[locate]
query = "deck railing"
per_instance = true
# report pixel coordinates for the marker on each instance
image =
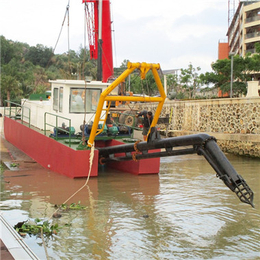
(18, 112)
(56, 125)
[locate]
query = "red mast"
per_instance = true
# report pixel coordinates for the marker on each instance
(100, 47)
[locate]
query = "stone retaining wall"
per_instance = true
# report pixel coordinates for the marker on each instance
(234, 122)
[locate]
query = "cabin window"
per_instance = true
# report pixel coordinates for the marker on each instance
(79, 97)
(92, 98)
(61, 99)
(55, 99)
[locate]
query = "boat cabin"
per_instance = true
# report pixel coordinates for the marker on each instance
(66, 101)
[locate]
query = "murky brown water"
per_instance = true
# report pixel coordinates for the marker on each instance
(184, 213)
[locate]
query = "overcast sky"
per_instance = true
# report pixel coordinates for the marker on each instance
(172, 33)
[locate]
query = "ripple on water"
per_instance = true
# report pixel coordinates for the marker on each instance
(189, 214)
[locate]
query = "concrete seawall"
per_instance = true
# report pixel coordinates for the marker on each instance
(234, 122)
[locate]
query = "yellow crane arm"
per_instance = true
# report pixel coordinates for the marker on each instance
(144, 68)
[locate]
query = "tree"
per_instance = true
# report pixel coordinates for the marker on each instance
(7, 50)
(252, 62)
(242, 71)
(172, 83)
(190, 80)
(9, 87)
(39, 55)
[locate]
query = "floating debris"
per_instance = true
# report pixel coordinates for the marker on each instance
(72, 206)
(36, 228)
(57, 215)
(14, 165)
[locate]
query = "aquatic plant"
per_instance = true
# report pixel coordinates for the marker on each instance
(36, 228)
(14, 165)
(2, 168)
(72, 206)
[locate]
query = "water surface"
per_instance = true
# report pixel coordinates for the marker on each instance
(185, 212)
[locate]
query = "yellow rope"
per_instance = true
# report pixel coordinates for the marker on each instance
(91, 157)
(44, 245)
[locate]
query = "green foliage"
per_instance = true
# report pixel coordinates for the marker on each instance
(27, 69)
(257, 47)
(36, 228)
(190, 80)
(244, 69)
(2, 168)
(185, 84)
(146, 86)
(72, 206)
(14, 165)
(180, 95)
(173, 83)
(39, 55)
(7, 50)
(237, 88)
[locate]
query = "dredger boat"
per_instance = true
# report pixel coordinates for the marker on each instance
(50, 131)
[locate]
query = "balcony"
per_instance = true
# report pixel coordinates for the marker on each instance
(253, 19)
(252, 35)
(251, 51)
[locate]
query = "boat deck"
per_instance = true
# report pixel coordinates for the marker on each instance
(75, 140)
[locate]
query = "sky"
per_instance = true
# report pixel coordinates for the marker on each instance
(169, 32)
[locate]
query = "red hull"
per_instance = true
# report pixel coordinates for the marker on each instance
(64, 160)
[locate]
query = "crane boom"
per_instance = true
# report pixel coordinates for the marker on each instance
(100, 48)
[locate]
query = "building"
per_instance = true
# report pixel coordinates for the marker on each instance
(223, 50)
(243, 31)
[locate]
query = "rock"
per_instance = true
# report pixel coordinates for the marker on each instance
(56, 215)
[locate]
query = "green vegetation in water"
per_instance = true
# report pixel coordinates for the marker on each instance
(37, 228)
(72, 206)
(2, 168)
(14, 165)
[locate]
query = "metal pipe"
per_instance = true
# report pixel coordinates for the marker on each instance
(197, 139)
(231, 74)
(203, 144)
(129, 156)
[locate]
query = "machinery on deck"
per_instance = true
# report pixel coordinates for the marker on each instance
(106, 97)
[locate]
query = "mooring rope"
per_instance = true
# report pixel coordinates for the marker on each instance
(44, 244)
(91, 157)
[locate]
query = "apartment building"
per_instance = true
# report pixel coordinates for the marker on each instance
(243, 31)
